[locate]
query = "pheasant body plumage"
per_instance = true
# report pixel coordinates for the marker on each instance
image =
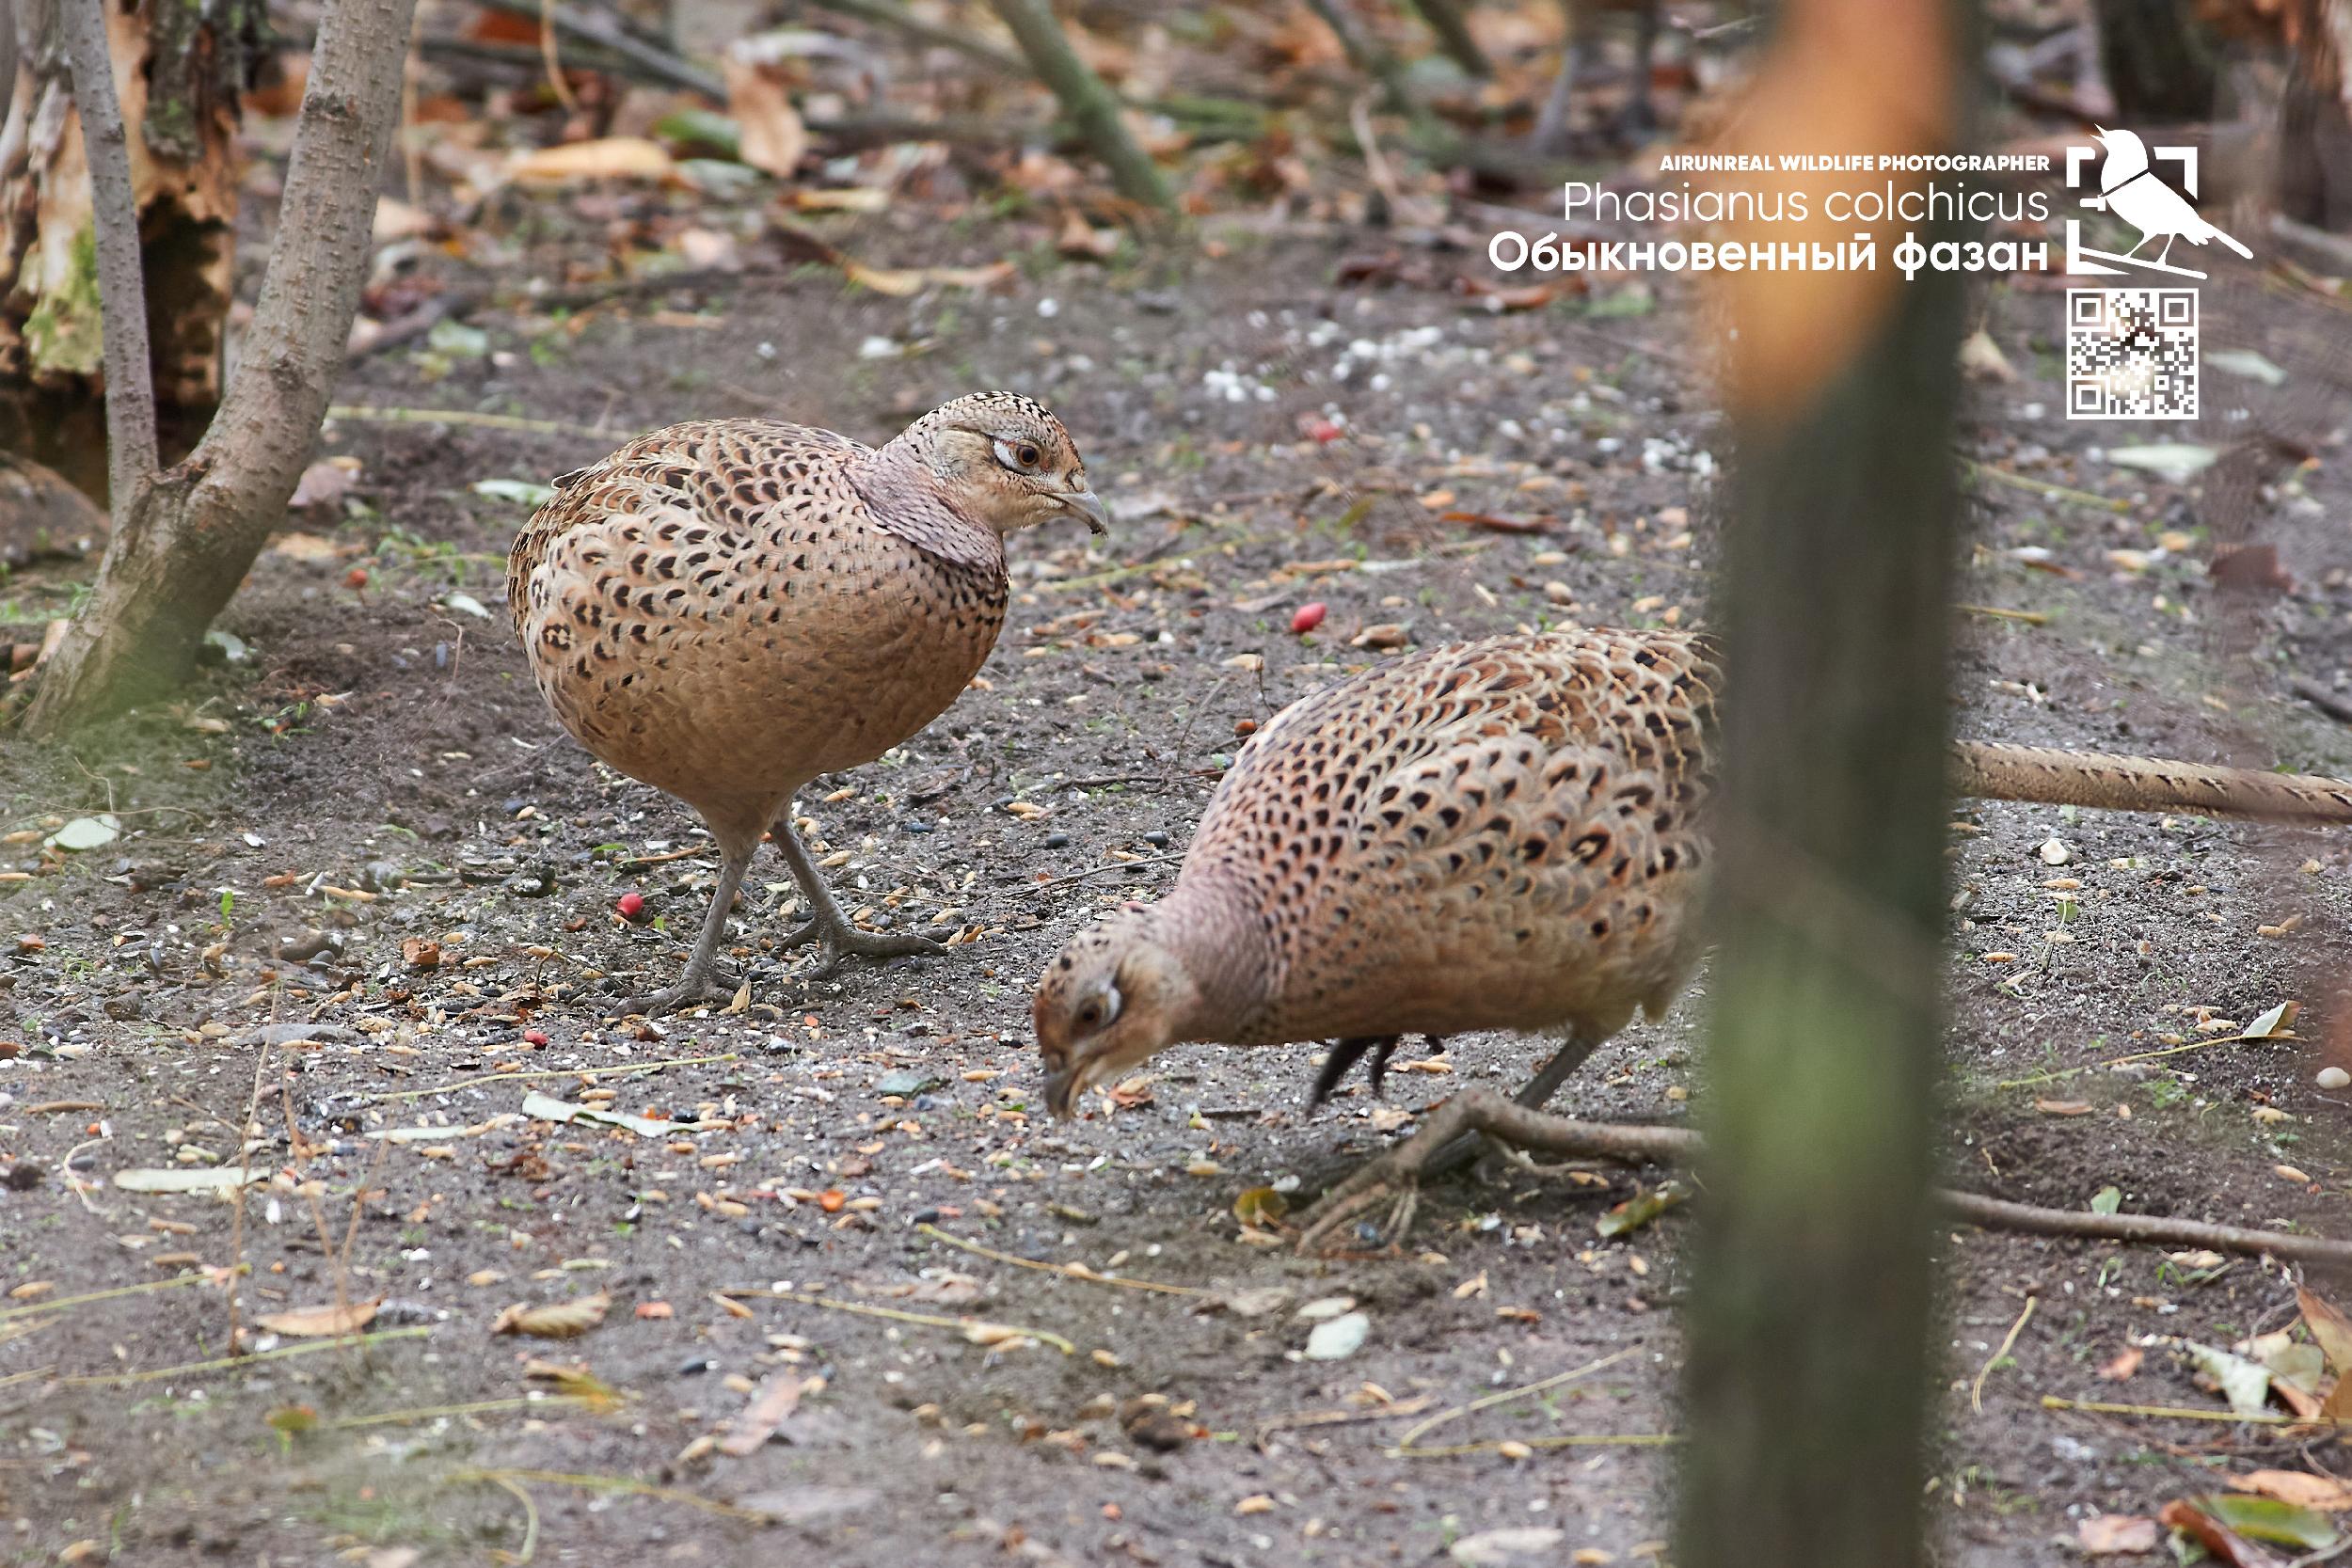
(727, 608)
(1488, 836)
(715, 609)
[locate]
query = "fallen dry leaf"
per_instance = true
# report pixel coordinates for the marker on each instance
(772, 1405)
(322, 484)
(563, 1321)
(2324, 1494)
(320, 1322)
(605, 158)
(2126, 1363)
(2108, 1534)
(773, 138)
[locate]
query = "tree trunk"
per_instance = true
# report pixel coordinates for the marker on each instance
(179, 69)
(2158, 59)
(2314, 183)
(1808, 1323)
(1445, 20)
(183, 541)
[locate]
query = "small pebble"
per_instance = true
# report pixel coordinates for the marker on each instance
(2334, 1078)
(1058, 841)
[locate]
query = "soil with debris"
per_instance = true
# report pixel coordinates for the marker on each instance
(362, 892)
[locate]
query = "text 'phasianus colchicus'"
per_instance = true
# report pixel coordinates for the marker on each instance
(1501, 834)
(726, 609)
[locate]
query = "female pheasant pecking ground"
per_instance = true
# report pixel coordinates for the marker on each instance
(726, 609)
(1502, 834)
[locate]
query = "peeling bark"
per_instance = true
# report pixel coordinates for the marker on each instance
(184, 539)
(179, 68)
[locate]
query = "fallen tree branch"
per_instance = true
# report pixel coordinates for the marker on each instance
(882, 13)
(1093, 109)
(603, 32)
(1480, 1110)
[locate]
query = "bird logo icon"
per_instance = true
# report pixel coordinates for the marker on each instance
(2130, 188)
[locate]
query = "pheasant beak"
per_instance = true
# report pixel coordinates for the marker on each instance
(1088, 508)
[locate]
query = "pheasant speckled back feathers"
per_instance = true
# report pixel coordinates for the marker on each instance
(727, 608)
(1495, 835)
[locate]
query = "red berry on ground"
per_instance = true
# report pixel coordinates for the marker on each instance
(632, 904)
(1309, 616)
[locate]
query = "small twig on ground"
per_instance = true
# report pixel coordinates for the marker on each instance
(60, 1303)
(351, 1231)
(245, 1135)
(1114, 865)
(2030, 617)
(1068, 1270)
(1976, 1389)
(551, 54)
(530, 1547)
(964, 1326)
(629, 1485)
(640, 862)
(2064, 1073)
(227, 1363)
(625, 1069)
(478, 1407)
(1304, 1418)
(1407, 1447)
(2173, 1412)
(2044, 487)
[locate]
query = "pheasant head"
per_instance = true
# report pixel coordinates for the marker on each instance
(1115, 996)
(1004, 461)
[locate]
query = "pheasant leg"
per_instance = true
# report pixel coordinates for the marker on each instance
(702, 979)
(836, 938)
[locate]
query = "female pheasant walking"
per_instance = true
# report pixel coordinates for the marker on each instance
(726, 609)
(1503, 834)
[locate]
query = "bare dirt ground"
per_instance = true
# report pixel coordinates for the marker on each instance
(375, 778)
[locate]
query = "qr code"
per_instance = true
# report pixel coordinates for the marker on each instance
(2131, 354)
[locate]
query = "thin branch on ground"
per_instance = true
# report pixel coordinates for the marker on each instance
(227, 1363)
(1410, 1447)
(604, 33)
(882, 13)
(1068, 1270)
(971, 1328)
(1482, 1111)
(2008, 1342)
(622, 1069)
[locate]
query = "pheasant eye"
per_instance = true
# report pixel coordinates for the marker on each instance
(1028, 456)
